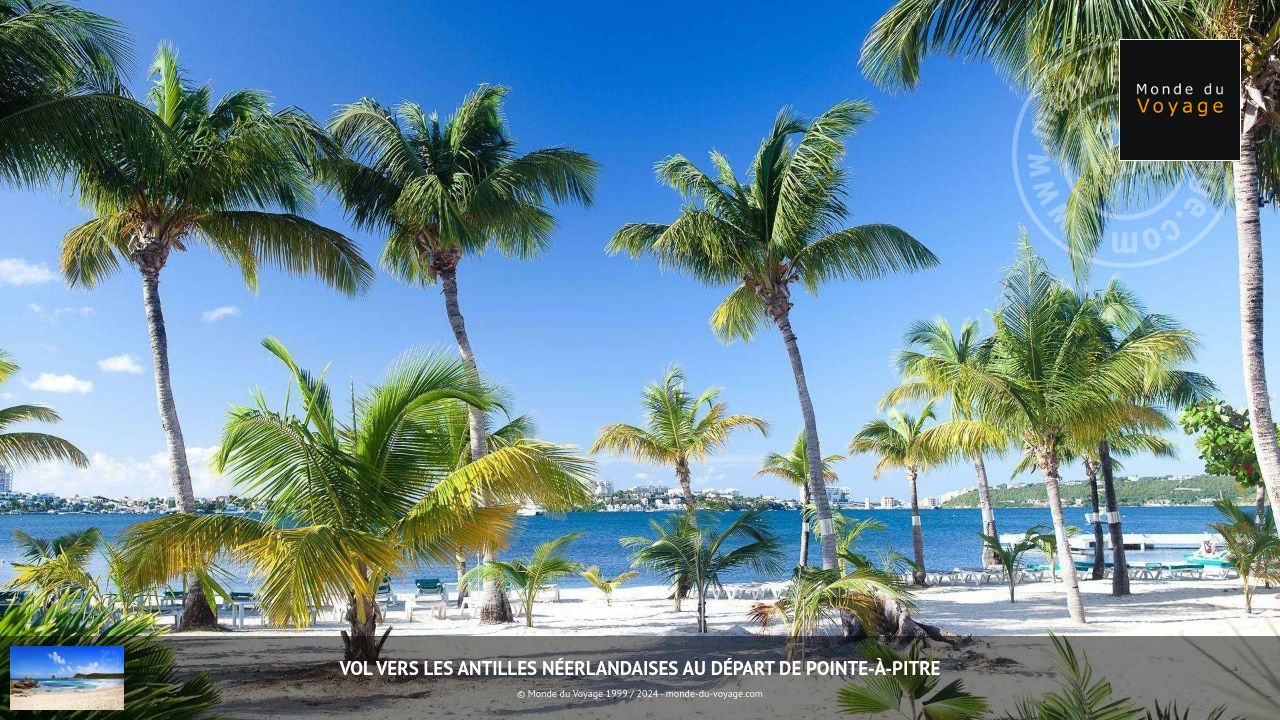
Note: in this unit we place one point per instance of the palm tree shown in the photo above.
(815, 598)
(547, 565)
(794, 468)
(778, 228)
(933, 356)
(1010, 558)
(346, 505)
(679, 428)
(58, 566)
(1252, 546)
(1065, 54)
(705, 552)
(909, 693)
(202, 173)
(445, 190)
(1053, 383)
(607, 585)
(896, 442)
(58, 85)
(19, 448)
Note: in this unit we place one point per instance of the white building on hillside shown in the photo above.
(6, 479)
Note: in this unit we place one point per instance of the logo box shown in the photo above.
(1180, 99)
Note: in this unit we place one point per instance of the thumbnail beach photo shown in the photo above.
(50, 677)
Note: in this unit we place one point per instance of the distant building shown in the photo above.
(866, 504)
(603, 487)
(6, 479)
(887, 502)
(838, 495)
(932, 503)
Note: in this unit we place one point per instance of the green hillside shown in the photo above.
(1198, 490)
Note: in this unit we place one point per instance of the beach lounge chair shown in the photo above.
(9, 598)
(1184, 571)
(545, 592)
(384, 597)
(430, 588)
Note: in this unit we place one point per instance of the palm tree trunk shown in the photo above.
(988, 512)
(361, 641)
(497, 606)
(1099, 556)
(917, 533)
(1119, 566)
(1249, 239)
(195, 608)
(1260, 505)
(804, 527)
(817, 486)
(1049, 469)
(683, 477)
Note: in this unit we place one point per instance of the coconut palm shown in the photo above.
(1252, 547)
(607, 585)
(346, 505)
(909, 693)
(547, 565)
(679, 428)
(57, 566)
(794, 468)
(22, 447)
(1065, 53)
(442, 191)
(703, 552)
(896, 441)
(780, 227)
(817, 598)
(1009, 558)
(58, 85)
(933, 355)
(231, 175)
(1053, 383)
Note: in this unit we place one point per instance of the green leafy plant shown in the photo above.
(607, 585)
(545, 566)
(1225, 442)
(1010, 557)
(153, 688)
(911, 694)
(815, 598)
(1253, 549)
(683, 549)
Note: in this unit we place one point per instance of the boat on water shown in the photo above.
(530, 510)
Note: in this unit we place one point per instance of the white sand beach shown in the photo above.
(1156, 607)
(107, 698)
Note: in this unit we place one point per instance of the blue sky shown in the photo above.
(39, 661)
(576, 334)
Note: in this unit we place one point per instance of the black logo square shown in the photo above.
(1179, 99)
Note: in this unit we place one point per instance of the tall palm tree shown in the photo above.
(929, 364)
(679, 428)
(58, 85)
(1052, 383)
(348, 504)
(1065, 53)
(779, 227)
(896, 441)
(794, 468)
(231, 175)
(444, 190)
(19, 448)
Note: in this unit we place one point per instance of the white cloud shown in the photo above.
(51, 315)
(54, 656)
(6, 396)
(220, 313)
(122, 476)
(642, 476)
(50, 382)
(124, 363)
(91, 668)
(15, 271)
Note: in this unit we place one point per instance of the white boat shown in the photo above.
(530, 510)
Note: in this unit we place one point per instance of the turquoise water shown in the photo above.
(949, 535)
(71, 686)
